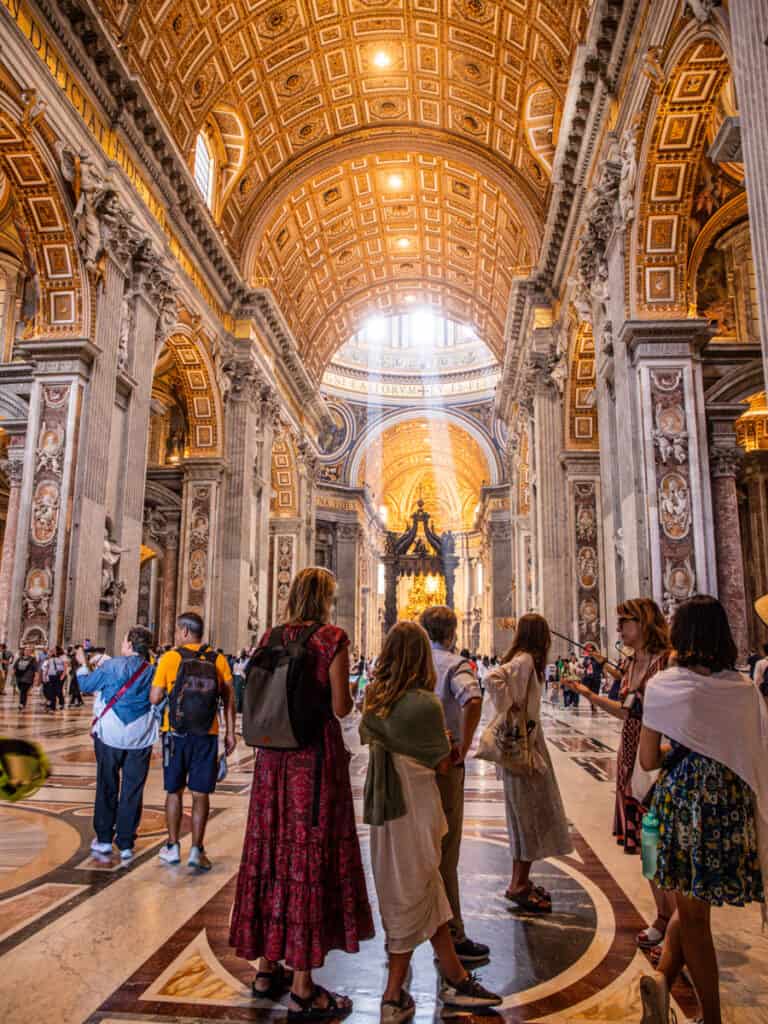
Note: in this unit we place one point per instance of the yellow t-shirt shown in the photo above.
(168, 668)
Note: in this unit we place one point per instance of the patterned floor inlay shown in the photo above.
(145, 943)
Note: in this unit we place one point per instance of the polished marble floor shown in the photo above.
(83, 940)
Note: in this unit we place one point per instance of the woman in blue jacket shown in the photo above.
(124, 729)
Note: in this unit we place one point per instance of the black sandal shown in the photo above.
(309, 1011)
(280, 981)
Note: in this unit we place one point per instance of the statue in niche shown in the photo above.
(112, 590)
(448, 544)
(125, 333)
(701, 9)
(557, 368)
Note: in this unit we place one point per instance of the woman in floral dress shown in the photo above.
(301, 889)
(711, 798)
(643, 628)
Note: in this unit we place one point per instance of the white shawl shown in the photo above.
(725, 718)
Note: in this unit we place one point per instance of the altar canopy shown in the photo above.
(428, 557)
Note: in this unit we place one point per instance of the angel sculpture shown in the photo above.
(81, 172)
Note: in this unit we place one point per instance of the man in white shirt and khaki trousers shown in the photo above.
(458, 689)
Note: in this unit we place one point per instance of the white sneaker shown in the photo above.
(126, 855)
(169, 853)
(98, 847)
(199, 859)
(654, 993)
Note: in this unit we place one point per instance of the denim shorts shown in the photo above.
(190, 761)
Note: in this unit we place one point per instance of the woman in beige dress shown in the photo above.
(536, 821)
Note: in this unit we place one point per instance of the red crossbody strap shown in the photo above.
(123, 689)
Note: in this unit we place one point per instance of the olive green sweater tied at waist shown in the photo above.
(415, 727)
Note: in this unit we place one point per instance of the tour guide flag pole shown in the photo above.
(575, 643)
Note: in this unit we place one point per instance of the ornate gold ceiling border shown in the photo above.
(678, 130)
(610, 27)
(581, 422)
(41, 218)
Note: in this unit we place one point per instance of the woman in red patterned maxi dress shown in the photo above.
(301, 889)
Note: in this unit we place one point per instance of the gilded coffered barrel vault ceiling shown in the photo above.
(424, 88)
(388, 232)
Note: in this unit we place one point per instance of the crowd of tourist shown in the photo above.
(691, 780)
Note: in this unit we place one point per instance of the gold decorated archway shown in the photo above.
(432, 460)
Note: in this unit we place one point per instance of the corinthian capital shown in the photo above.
(725, 460)
(243, 381)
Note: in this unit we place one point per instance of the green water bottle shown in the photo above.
(649, 843)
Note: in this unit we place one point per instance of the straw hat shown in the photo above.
(761, 607)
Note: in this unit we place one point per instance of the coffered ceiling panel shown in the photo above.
(302, 73)
(385, 234)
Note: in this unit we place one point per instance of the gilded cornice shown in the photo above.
(583, 121)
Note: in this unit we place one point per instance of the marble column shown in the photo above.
(755, 537)
(500, 541)
(237, 513)
(99, 444)
(550, 501)
(724, 465)
(151, 316)
(749, 32)
(40, 570)
(262, 607)
(284, 547)
(168, 611)
(15, 470)
(671, 447)
(347, 543)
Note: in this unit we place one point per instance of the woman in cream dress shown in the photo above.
(404, 725)
(536, 820)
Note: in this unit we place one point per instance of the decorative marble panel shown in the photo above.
(199, 539)
(672, 483)
(587, 560)
(46, 516)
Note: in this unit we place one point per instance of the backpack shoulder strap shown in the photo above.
(276, 637)
(308, 632)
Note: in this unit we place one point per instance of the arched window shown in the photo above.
(204, 168)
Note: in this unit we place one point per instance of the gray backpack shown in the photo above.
(283, 707)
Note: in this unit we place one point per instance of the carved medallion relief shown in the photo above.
(199, 531)
(673, 486)
(587, 561)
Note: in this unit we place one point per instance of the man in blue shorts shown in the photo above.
(192, 678)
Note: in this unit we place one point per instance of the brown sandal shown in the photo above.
(337, 1005)
(280, 981)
